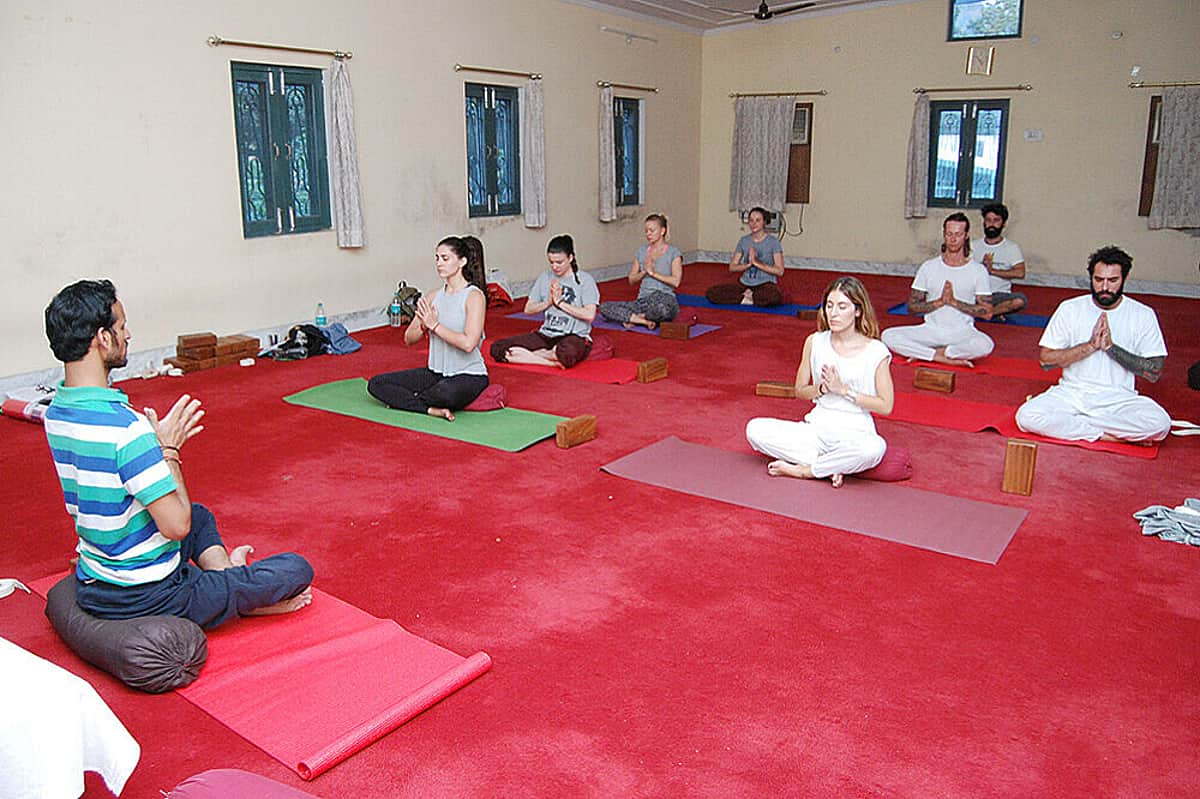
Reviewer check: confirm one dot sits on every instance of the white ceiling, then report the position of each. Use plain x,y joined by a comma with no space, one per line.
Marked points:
713,15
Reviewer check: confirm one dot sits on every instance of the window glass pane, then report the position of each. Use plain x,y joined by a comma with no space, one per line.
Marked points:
629,143
298,131
251,111
476,154
945,182
987,154
506,150
983,19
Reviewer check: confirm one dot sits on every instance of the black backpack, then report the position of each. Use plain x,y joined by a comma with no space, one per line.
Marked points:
301,342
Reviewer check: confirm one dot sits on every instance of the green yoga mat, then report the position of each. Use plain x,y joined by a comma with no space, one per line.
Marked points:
508,429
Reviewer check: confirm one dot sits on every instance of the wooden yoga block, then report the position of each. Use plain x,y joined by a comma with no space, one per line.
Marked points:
934,380
573,432
775,388
651,370
1020,458
807,314
197,353
189,365
237,345
675,330
189,340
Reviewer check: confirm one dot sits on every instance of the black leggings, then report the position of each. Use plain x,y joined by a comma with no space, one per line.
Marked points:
418,390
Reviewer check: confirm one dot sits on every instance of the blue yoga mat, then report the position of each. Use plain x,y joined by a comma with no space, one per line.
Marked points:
1019,319
695,301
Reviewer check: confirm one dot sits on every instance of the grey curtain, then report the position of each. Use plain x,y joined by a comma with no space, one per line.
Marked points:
1177,181
343,156
916,174
533,154
608,158
762,134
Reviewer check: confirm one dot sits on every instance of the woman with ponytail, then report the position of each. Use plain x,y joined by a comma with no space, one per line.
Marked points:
453,319
657,271
569,299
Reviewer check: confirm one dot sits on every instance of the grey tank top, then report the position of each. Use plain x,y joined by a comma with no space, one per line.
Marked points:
445,359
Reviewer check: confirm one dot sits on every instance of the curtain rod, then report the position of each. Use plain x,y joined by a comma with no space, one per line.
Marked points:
604,83
217,41
820,92
1022,87
1141,85
490,70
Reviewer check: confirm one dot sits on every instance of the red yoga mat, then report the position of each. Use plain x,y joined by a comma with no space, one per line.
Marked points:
611,370
312,688
999,365
938,410
965,528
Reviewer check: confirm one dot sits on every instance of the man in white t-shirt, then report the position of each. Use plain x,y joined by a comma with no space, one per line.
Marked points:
1002,259
1102,342
959,287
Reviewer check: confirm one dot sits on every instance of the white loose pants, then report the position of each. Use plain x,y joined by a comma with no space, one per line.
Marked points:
824,449
920,341
1077,414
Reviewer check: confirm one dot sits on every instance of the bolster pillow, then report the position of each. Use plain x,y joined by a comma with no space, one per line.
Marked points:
151,653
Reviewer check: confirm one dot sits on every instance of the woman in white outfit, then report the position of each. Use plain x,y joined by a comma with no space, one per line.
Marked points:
846,373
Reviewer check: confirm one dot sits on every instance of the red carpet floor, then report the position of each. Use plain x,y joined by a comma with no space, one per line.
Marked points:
647,643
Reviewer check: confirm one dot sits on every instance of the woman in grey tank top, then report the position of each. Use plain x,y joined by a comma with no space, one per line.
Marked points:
453,319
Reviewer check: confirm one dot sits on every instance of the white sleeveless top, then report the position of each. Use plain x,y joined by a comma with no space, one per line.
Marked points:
446,359
857,371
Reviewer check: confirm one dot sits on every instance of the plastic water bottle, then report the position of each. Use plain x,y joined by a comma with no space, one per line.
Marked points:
394,311
320,319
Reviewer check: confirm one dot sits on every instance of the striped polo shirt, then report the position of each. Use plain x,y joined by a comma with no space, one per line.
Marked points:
111,467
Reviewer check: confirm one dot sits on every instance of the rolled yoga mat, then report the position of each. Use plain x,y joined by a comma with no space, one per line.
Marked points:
507,429
313,687
938,410
964,528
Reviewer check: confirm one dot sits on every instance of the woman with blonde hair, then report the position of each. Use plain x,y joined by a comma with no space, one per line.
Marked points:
657,270
845,372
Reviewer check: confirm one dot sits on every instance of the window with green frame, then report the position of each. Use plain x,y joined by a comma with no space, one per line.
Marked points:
627,143
493,150
282,167
967,142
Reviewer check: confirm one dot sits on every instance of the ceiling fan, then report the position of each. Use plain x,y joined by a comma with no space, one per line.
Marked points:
764,12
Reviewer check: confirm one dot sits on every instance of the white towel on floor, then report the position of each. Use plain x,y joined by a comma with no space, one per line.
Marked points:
54,728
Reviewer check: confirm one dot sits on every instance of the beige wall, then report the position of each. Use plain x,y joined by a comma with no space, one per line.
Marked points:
1074,191
120,161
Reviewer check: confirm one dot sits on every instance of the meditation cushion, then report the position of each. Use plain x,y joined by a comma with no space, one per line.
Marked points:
152,654
602,349
232,783
895,466
490,399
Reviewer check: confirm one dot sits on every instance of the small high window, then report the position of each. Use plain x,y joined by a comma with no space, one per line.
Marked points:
985,19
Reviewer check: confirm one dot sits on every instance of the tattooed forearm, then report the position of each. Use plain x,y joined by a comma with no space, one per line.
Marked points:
1148,368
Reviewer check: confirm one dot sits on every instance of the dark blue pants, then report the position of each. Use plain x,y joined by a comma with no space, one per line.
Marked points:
206,597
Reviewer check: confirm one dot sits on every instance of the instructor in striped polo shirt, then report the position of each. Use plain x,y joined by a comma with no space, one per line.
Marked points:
144,548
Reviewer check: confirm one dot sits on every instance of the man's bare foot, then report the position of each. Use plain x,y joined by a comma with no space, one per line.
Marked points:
301,600
445,413
940,356
1115,440
240,556
836,480
785,469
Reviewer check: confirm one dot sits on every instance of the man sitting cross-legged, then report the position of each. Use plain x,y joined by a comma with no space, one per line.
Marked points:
1101,341
959,288
144,548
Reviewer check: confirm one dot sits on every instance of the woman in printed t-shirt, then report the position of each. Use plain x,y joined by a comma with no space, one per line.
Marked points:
569,299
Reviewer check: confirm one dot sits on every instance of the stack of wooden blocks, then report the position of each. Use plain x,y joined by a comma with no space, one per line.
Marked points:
197,351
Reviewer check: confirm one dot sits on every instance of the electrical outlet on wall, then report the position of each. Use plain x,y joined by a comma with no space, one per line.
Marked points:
1032,134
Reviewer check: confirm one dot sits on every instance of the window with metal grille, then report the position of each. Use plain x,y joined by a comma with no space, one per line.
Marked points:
627,143
967,142
279,118
493,150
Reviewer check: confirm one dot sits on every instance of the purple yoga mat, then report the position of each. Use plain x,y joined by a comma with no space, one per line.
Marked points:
965,528
600,323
